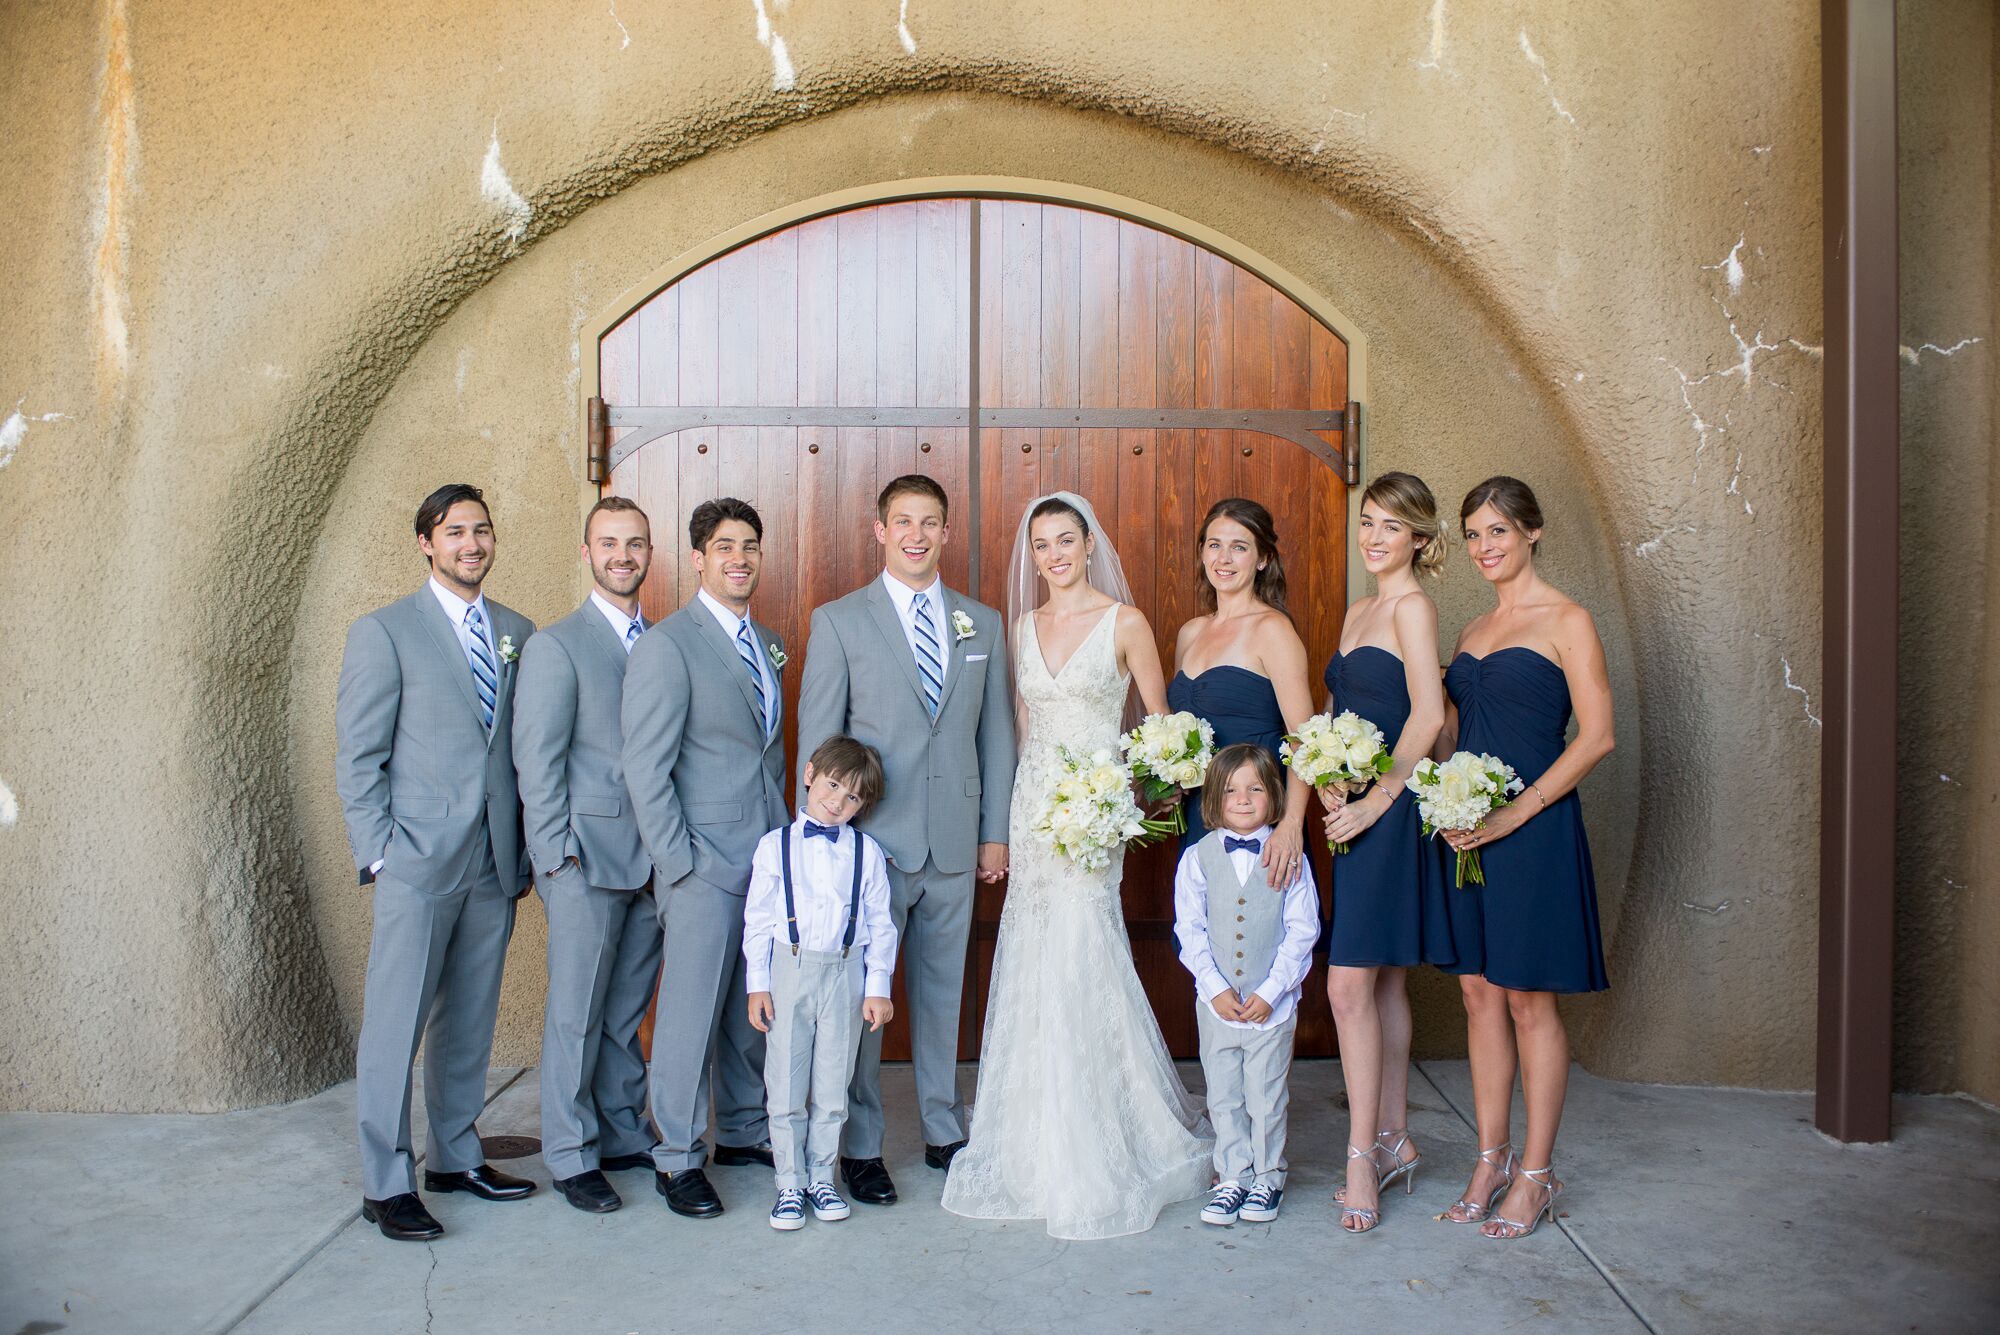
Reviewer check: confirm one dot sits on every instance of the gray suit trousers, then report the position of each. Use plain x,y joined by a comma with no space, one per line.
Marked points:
434,966
810,1059
932,911
604,958
1248,1072
707,1025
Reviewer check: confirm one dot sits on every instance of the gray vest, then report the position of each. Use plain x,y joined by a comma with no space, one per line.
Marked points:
1246,919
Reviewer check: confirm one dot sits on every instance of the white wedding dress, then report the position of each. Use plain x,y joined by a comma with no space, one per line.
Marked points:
1080,1117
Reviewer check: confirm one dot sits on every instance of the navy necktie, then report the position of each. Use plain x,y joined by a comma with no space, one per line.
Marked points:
830,833
1231,844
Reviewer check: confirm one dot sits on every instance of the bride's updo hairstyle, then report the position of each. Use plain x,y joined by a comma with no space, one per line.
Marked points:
1270,585
1056,505
1406,497
1513,498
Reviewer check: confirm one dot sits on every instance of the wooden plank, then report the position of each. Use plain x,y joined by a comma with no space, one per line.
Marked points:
1176,505
1100,344
1061,318
855,487
778,455
700,357
1214,376
896,275
818,383
942,351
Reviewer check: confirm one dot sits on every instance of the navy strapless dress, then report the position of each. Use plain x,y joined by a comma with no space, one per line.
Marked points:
1533,925
1240,705
1389,889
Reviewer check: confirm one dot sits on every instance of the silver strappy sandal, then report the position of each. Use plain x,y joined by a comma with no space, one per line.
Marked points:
1398,1166
1465,1211
1506,1230
1367,1219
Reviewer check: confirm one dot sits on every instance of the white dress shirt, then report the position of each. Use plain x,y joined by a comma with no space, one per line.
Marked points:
455,609
1294,957
729,622
822,879
904,599
621,625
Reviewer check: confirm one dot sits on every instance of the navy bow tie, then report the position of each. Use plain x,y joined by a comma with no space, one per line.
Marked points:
1231,844
814,830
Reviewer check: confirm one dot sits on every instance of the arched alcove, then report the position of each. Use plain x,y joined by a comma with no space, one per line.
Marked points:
496,395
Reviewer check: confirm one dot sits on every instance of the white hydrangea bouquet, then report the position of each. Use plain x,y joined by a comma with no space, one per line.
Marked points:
1169,753
1458,795
1089,810
1345,751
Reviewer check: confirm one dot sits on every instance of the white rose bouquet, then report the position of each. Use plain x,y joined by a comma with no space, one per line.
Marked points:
1089,811
1345,751
1169,753
1458,795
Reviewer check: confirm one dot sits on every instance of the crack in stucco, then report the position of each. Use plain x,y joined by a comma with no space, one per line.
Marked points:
496,189
903,34
15,430
1730,266
1915,355
10,807
1433,57
783,77
625,33
1542,68
1710,909
1791,685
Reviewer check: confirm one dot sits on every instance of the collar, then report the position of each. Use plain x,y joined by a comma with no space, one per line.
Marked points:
456,607
902,595
725,618
1262,834
620,623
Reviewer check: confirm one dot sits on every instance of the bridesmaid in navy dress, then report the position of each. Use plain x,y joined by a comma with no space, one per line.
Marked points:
1530,932
1243,666
1389,909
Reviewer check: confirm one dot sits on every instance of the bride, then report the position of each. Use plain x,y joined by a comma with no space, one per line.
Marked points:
1081,1118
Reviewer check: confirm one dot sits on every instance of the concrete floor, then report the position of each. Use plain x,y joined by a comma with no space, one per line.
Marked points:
1688,1210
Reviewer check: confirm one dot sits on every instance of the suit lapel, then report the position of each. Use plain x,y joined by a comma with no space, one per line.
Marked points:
446,639
598,631
503,667
954,649
709,631
891,627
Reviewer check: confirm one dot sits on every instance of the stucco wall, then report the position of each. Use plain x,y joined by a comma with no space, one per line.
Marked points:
278,279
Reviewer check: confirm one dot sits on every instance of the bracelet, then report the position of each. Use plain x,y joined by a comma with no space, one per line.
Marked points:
1539,793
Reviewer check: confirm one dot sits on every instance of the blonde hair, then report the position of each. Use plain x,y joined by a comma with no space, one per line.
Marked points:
1405,496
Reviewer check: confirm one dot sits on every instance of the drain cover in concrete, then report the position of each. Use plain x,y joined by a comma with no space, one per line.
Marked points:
510,1147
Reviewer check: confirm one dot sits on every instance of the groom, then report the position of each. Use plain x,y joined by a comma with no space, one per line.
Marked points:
920,674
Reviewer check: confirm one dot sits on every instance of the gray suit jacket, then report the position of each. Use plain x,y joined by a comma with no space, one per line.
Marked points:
569,753
950,780
705,782
413,764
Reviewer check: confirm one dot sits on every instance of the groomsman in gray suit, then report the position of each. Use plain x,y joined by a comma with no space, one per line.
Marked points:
425,769
593,873
918,672
705,768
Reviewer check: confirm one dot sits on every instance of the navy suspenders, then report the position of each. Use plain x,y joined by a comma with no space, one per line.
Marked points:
853,894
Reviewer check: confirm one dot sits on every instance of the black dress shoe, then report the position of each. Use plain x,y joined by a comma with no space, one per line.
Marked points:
619,1163
940,1156
486,1182
735,1156
868,1181
403,1218
688,1193
589,1192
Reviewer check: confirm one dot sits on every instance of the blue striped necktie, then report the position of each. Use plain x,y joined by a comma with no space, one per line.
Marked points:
746,649
632,633
485,675
930,662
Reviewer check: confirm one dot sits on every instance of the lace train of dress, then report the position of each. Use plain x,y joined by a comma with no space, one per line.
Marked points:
1080,1118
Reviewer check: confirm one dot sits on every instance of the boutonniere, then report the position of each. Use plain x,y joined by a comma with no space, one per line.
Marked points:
961,624
508,653
778,657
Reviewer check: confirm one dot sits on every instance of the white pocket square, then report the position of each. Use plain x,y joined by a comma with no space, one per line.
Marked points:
976,658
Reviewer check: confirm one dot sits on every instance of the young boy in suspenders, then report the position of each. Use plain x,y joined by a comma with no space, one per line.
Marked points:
819,950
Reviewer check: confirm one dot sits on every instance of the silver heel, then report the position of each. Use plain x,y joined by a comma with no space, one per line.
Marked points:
1506,1230
1405,1169
1367,1218
1472,1212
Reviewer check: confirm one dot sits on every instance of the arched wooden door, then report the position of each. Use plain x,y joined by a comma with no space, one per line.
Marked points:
1006,348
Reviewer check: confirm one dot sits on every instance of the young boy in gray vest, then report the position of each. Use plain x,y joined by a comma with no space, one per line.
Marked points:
819,950
1248,944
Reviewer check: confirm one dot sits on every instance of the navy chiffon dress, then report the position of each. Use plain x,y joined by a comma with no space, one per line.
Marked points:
1389,905
1533,926
1240,705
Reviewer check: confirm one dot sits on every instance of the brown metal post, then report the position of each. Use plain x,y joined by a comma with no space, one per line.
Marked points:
1858,749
